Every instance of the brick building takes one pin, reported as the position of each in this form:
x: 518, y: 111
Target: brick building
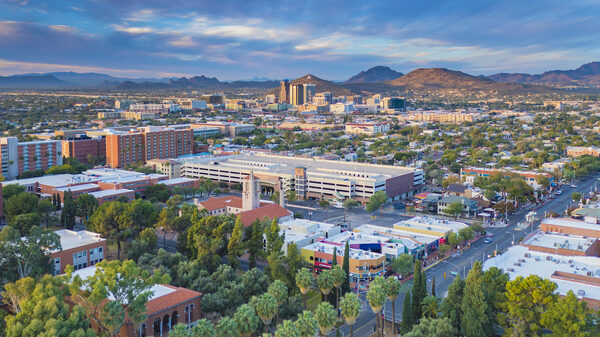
x: 168, y: 305
x: 81, y: 148
x: 18, y: 157
x: 143, y: 144
x: 79, y: 249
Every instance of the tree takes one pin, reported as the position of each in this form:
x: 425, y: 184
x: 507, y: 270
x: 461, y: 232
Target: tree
x: 145, y: 243
x: 430, y: 306
x: 246, y: 320
x: 376, y: 201
x: 306, y: 324
x: 567, y: 317
x: 287, y: 328
x: 346, y: 268
x: 86, y: 205
x: 118, y: 290
x: 138, y: 215
x: 451, y: 305
x: 279, y: 291
x: 433, y: 286
x: 291, y: 195
x: 266, y: 308
x: 402, y: 264
x: 475, y: 321
x: 21, y: 203
x: 526, y: 300
x: 304, y: 281
x: 234, y: 247
x: 407, y: 318
x: 180, y: 330
x: 274, y: 239
x: 325, y: 282
x: 392, y: 290
x: 69, y: 211
x: 576, y: 196
x: 45, y: 208
x: 226, y: 328
x: 106, y: 221
x: 350, y: 308
x: 203, y: 328
x: 294, y: 261
x: 454, y: 209
x: 494, y: 281
x: 440, y: 327
x: 465, y: 234
x: 58, y: 202
x: 44, y: 312
x: 10, y: 190
x: 326, y: 317
x: 157, y: 193
x: 453, y: 239
x: 27, y: 255
x: 338, y: 279
x: 348, y: 205
x: 24, y: 222
x: 255, y: 243
x: 376, y: 298
x: 15, y: 294
x: 419, y: 292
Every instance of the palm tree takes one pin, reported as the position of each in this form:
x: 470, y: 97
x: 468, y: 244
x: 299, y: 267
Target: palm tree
x: 266, y: 308
x: 339, y: 276
x: 306, y: 324
x: 246, y: 320
x: 279, y: 291
x: 203, y: 328
x: 326, y: 317
x: 350, y: 307
x: 325, y: 282
x: 392, y: 290
x: 431, y: 306
x: 287, y: 328
x: 226, y: 327
x: 304, y: 281
x: 376, y: 298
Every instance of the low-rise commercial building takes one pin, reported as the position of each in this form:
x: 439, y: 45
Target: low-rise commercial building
x: 469, y: 174
x: 367, y: 128
x: 304, y: 232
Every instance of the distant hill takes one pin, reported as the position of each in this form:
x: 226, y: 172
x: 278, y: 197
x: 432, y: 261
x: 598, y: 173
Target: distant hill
x: 34, y: 82
x: 93, y: 79
x: 440, y: 78
x: 375, y: 74
x: 587, y: 74
x: 323, y: 85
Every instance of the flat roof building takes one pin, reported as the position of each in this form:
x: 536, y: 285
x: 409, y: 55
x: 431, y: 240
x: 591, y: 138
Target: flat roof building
x: 18, y: 157
x: 304, y: 232
x: 309, y: 177
x: 79, y: 249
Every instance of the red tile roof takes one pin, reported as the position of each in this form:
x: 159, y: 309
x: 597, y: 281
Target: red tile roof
x: 217, y: 203
x: 180, y: 295
x: 270, y: 211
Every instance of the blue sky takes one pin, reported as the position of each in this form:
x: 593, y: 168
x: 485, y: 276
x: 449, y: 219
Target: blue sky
x: 286, y: 39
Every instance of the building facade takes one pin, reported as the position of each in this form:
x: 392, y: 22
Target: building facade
x: 79, y: 249
x: 18, y: 157
x: 125, y: 148
x: 82, y: 148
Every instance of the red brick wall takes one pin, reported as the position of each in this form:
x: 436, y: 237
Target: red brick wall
x: 66, y: 256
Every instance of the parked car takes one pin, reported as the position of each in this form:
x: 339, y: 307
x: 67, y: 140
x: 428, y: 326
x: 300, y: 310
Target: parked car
x: 487, y: 240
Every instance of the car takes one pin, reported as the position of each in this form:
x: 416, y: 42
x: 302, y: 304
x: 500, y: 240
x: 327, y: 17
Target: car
x: 453, y: 273
x: 573, y: 185
x: 558, y: 192
x: 487, y: 240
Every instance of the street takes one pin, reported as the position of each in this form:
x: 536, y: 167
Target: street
x: 503, y: 237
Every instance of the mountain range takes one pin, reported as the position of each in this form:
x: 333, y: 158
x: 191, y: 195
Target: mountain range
x: 376, y: 79
x: 587, y: 74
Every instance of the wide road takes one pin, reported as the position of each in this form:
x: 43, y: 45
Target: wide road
x: 502, y: 238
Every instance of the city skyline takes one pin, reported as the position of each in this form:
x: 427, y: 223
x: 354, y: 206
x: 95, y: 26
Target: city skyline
x: 335, y: 40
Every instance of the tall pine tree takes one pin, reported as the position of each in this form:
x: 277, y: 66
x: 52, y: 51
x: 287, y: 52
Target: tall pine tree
x: 407, y: 317
x: 451, y: 306
x: 69, y: 211
x: 346, y: 268
x: 419, y: 292
x: 475, y: 321
x: 433, y: 286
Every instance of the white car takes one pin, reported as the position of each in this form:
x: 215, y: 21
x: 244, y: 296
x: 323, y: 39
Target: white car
x: 573, y: 185
x: 558, y: 192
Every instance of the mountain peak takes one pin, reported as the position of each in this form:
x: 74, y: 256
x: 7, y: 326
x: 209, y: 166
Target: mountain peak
x: 375, y: 74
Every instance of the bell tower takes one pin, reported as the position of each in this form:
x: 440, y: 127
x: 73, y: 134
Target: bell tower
x: 250, y: 193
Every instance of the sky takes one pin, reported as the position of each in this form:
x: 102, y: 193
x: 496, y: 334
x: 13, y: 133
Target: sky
x: 232, y: 39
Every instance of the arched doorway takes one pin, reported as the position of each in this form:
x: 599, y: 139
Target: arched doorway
x: 143, y: 330
x: 174, y: 318
x: 166, y: 325
x: 156, y: 327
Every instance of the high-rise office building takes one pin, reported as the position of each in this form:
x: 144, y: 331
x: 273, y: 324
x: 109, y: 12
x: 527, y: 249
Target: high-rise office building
x: 302, y: 93
x: 284, y: 92
x: 18, y: 157
x: 125, y: 148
